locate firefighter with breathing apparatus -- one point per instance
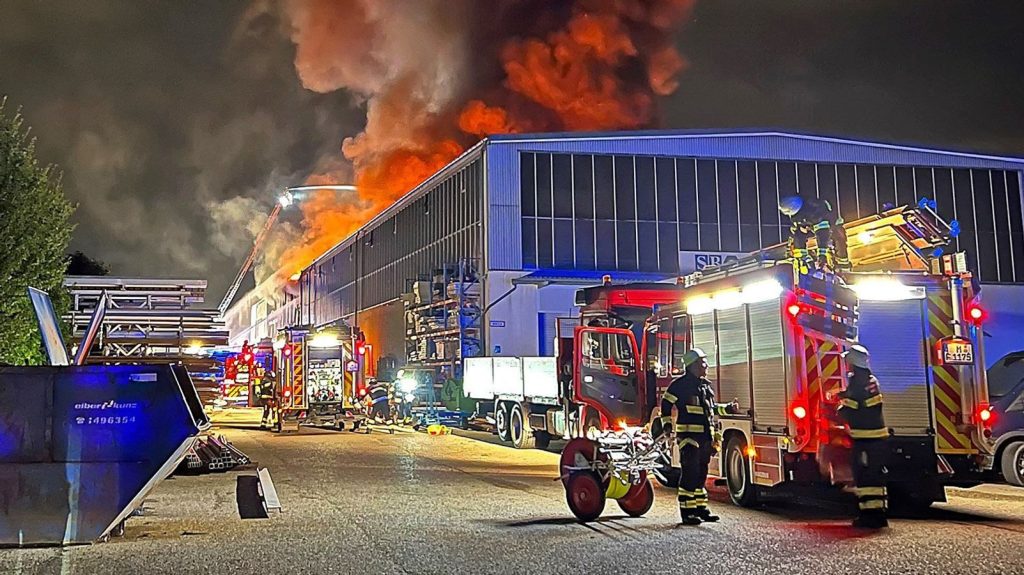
(860, 406)
(815, 216)
(698, 439)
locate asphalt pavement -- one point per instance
(413, 503)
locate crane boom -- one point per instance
(256, 245)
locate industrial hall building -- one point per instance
(517, 223)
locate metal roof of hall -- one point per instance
(753, 144)
(739, 144)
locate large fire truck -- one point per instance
(246, 374)
(774, 336)
(320, 378)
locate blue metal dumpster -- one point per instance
(81, 446)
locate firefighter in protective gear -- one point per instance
(814, 216)
(378, 395)
(265, 393)
(694, 399)
(861, 408)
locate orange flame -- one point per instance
(574, 65)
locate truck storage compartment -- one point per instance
(80, 447)
(894, 333)
(768, 364)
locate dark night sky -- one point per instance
(172, 125)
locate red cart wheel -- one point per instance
(639, 500)
(577, 453)
(585, 495)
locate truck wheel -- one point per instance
(501, 421)
(1012, 464)
(639, 500)
(585, 495)
(738, 476)
(519, 428)
(542, 439)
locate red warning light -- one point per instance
(793, 309)
(985, 415)
(799, 412)
(286, 351)
(976, 314)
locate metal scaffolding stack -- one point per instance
(155, 320)
(442, 318)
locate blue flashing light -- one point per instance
(938, 253)
(954, 228)
(922, 203)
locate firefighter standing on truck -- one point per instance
(861, 408)
(814, 216)
(694, 400)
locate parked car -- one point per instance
(1006, 394)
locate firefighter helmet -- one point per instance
(858, 356)
(791, 205)
(690, 357)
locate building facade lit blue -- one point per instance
(541, 214)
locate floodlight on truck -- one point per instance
(727, 299)
(765, 290)
(732, 298)
(699, 305)
(886, 289)
(324, 340)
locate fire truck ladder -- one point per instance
(256, 245)
(902, 238)
(286, 199)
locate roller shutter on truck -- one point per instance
(733, 357)
(768, 367)
(894, 333)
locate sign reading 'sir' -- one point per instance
(705, 260)
(690, 262)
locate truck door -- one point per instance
(607, 373)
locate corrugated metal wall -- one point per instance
(666, 194)
(438, 223)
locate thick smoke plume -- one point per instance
(436, 75)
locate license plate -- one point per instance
(957, 352)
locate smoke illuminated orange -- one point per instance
(578, 65)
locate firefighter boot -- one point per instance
(871, 521)
(688, 518)
(706, 516)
